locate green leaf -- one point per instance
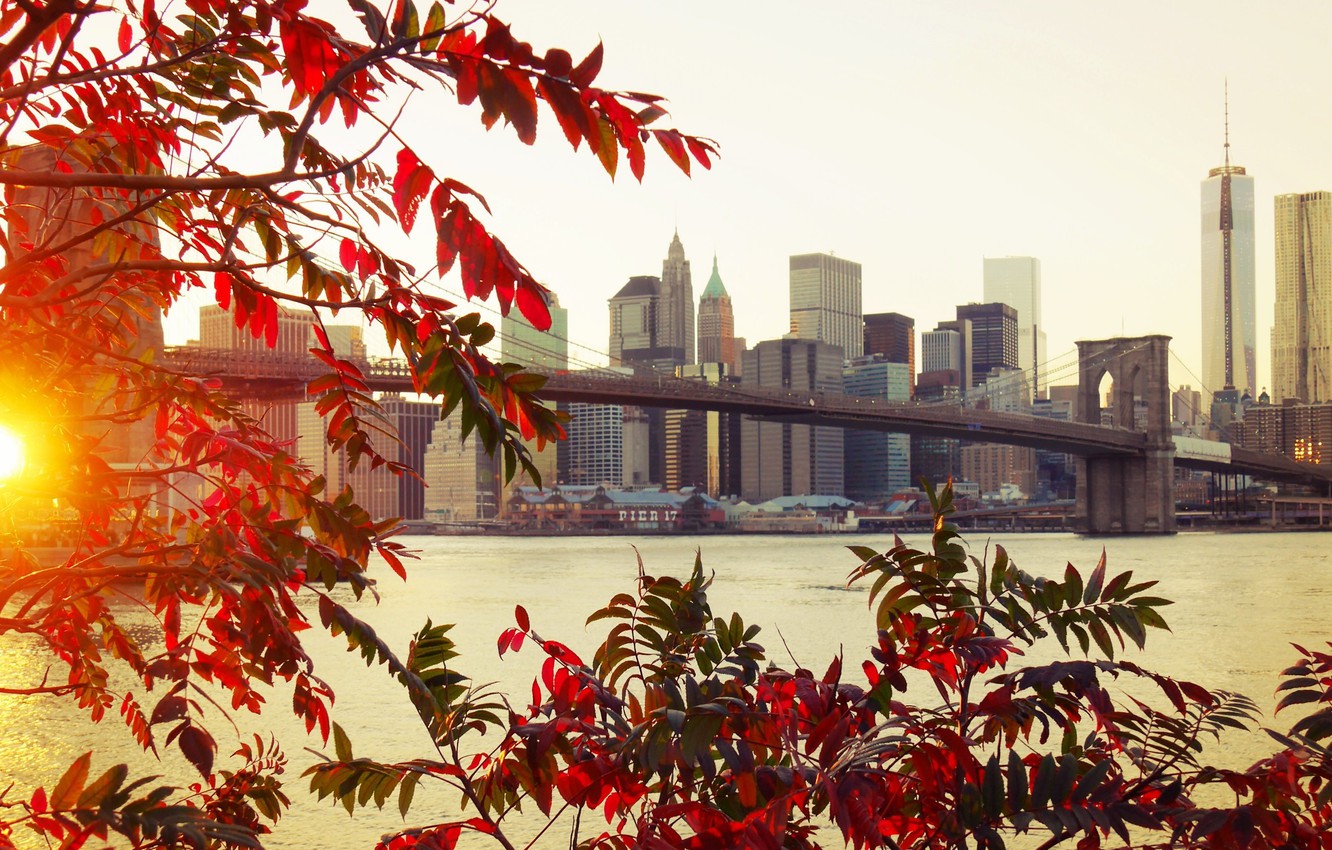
(1072, 585)
(341, 744)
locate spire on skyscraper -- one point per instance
(715, 288)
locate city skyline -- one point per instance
(918, 142)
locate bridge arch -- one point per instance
(1118, 494)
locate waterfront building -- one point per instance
(825, 302)
(1016, 281)
(784, 458)
(599, 508)
(893, 336)
(1302, 330)
(716, 324)
(877, 463)
(993, 341)
(1229, 293)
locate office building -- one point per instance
(523, 344)
(1302, 327)
(1229, 300)
(703, 446)
(877, 463)
(716, 324)
(414, 422)
(783, 458)
(993, 341)
(676, 312)
(218, 331)
(1016, 281)
(936, 459)
(894, 336)
(595, 446)
(947, 348)
(825, 302)
(463, 480)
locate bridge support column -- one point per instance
(1127, 495)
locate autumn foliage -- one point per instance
(679, 733)
(147, 150)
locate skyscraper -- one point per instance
(894, 336)
(1302, 331)
(877, 463)
(522, 343)
(994, 338)
(825, 302)
(1016, 281)
(676, 311)
(783, 458)
(1229, 317)
(716, 324)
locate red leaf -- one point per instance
(125, 36)
(222, 289)
(198, 746)
(347, 254)
(700, 149)
(270, 322)
(410, 185)
(674, 147)
(588, 69)
(520, 615)
(533, 305)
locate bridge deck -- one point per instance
(268, 376)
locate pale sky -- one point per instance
(916, 139)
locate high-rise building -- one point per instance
(595, 445)
(947, 348)
(936, 459)
(703, 446)
(994, 338)
(1302, 330)
(894, 336)
(217, 330)
(1016, 281)
(1229, 317)
(825, 302)
(523, 344)
(676, 313)
(783, 458)
(462, 478)
(633, 323)
(716, 324)
(877, 463)
(414, 422)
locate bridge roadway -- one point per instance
(263, 375)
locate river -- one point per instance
(1241, 600)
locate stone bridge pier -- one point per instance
(1127, 494)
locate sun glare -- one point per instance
(11, 454)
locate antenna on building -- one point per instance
(1226, 90)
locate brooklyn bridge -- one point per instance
(1125, 478)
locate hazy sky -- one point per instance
(916, 139)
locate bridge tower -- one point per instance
(1127, 495)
